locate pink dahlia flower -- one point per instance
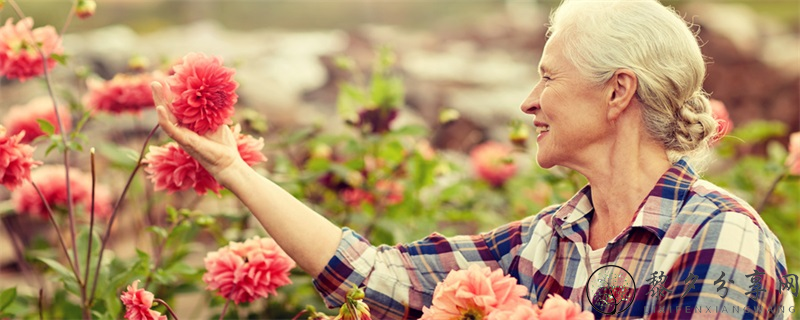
(522, 311)
(123, 93)
(793, 161)
(557, 308)
(724, 122)
(138, 303)
(473, 294)
(24, 118)
(249, 147)
(16, 160)
(170, 168)
(18, 56)
(204, 92)
(245, 271)
(52, 183)
(492, 162)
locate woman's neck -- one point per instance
(621, 176)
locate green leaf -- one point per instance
(61, 58)
(46, 127)
(120, 157)
(7, 297)
(349, 101)
(158, 231)
(58, 267)
(52, 146)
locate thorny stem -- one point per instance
(116, 210)
(172, 313)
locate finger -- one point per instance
(180, 135)
(158, 93)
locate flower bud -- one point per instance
(448, 115)
(138, 63)
(519, 134)
(85, 8)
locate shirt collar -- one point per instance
(655, 213)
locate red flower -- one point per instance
(724, 122)
(18, 56)
(492, 161)
(354, 197)
(245, 271)
(793, 160)
(16, 160)
(170, 167)
(204, 92)
(23, 118)
(52, 183)
(123, 93)
(138, 303)
(249, 147)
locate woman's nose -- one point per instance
(531, 103)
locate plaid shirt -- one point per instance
(685, 228)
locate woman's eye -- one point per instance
(546, 78)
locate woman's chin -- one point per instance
(544, 161)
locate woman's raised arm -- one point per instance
(309, 238)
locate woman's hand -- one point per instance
(216, 151)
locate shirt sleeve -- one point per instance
(731, 270)
(399, 280)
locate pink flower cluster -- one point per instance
(19, 58)
(479, 293)
(138, 303)
(52, 182)
(123, 93)
(24, 118)
(388, 192)
(245, 271)
(171, 168)
(793, 160)
(492, 162)
(16, 160)
(204, 92)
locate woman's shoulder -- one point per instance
(708, 202)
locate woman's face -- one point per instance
(569, 112)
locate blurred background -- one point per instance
(477, 57)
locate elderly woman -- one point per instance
(620, 100)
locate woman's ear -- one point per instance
(623, 85)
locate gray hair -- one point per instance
(654, 42)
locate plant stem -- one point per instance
(91, 229)
(55, 226)
(172, 313)
(41, 299)
(116, 211)
(69, 18)
(770, 191)
(224, 309)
